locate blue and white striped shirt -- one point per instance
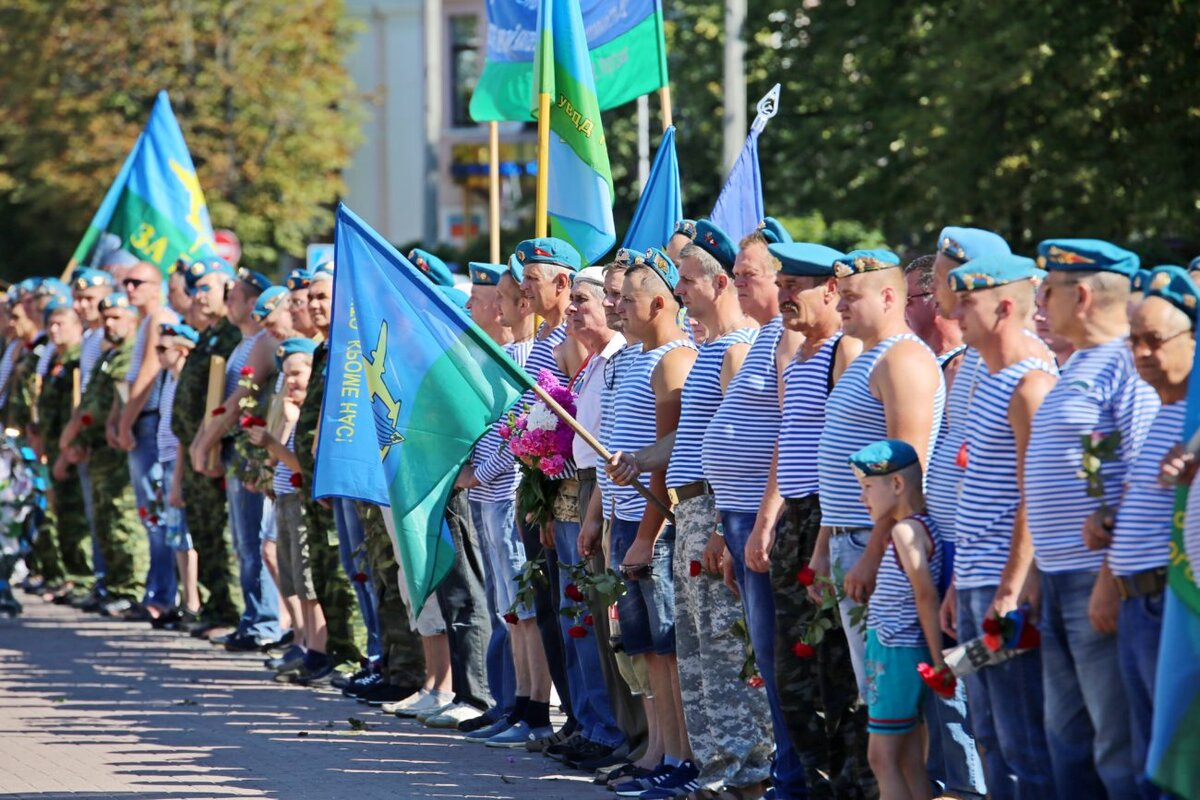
(6, 368)
(281, 483)
(89, 355)
(854, 418)
(616, 371)
(1142, 537)
(494, 463)
(892, 612)
(944, 476)
(168, 442)
(634, 423)
(702, 395)
(740, 440)
(805, 390)
(45, 357)
(237, 360)
(1098, 391)
(154, 400)
(987, 505)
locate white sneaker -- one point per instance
(450, 717)
(408, 702)
(426, 706)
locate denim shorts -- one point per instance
(503, 554)
(895, 690)
(647, 610)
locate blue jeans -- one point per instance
(177, 534)
(160, 580)
(353, 554)
(1006, 712)
(953, 763)
(501, 674)
(844, 551)
(758, 603)
(1087, 716)
(589, 695)
(647, 609)
(89, 509)
(260, 618)
(1138, 634)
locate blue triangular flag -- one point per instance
(739, 207)
(661, 203)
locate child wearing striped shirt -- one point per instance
(902, 618)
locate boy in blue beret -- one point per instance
(903, 631)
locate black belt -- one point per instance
(845, 530)
(688, 491)
(586, 474)
(153, 411)
(1150, 583)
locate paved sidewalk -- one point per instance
(91, 708)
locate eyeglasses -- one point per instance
(161, 348)
(1152, 342)
(132, 283)
(917, 296)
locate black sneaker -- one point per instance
(314, 677)
(599, 757)
(186, 621)
(480, 722)
(164, 619)
(280, 645)
(560, 750)
(357, 687)
(243, 643)
(342, 680)
(382, 693)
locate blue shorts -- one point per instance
(647, 610)
(895, 690)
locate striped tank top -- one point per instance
(237, 360)
(494, 463)
(944, 476)
(634, 421)
(89, 355)
(854, 418)
(892, 612)
(702, 395)
(989, 498)
(740, 439)
(45, 357)
(615, 371)
(1098, 392)
(154, 400)
(281, 483)
(11, 354)
(805, 389)
(168, 442)
(1142, 537)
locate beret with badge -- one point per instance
(1174, 285)
(625, 257)
(187, 335)
(295, 345)
(268, 301)
(805, 259)
(990, 271)
(116, 301)
(883, 458)
(431, 267)
(717, 243)
(1087, 255)
(204, 267)
(857, 262)
(484, 274)
(774, 232)
(685, 228)
(1194, 264)
(256, 279)
(662, 266)
(298, 280)
(57, 302)
(548, 250)
(323, 272)
(966, 244)
(51, 287)
(88, 278)
(1139, 281)
(515, 268)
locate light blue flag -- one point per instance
(739, 207)
(661, 203)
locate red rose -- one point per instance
(942, 681)
(694, 568)
(511, 618)
(802, 650)
(296, 480)
(587, 620)
(993, 641)
(218, 411)
(577, 632)
(360, 577)
(247, 372)
(85, 420)
(153, 519)
(993, 626)
(756, 682)
(142, 512)
(572, 593)
(252, 421)
(805, 576)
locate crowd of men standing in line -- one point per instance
(829, 430)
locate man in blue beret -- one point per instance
(484, 303)
(431, 267)
(298, 283)
(1099, 398)
(684, 232)
(774, 232)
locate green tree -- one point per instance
(259, 88)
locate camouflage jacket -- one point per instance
(96, 402)
(310, 414)
(54, 405)
(22, 398)
(191, 391)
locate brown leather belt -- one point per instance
(1150, 583)
(688, 491)
(586, 474)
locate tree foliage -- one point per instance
(259, 88)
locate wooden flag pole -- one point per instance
(494, 191)
(593, 443)
(542, 219)
(664, 96)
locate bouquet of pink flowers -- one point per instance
(541, 441)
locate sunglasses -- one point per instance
(132, 283)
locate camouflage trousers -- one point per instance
(119, 530)
(44, 557)
(403, 658)
(347, 634)
(728, 723)
(74, 534)
(826, 721)
(207, 517)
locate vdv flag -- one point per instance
(661, 203)
(625, 43)
(411, 385)
(155, 205)
(580, 182)
(1175, 738)
(739, 207)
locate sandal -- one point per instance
(626, 772)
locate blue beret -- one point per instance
(51, 286)
(883, 458)
(515, 268)
(207, 266)
(484, 274)
(966, 244)
(805, 258)
(1174, 285)
(88, 278)
(857, 262)
(28, 286)
(431, 266)
(662, 265)
(298, 279)
(1087, 255)
(548, 250)
(988, 272)
(1194, 264)
(117, 301)
(685, 227)
(255, 279)
(716, 242)
(624, 257)
(774, 232)
(1139, 281)
(459, 298)
(323, 272)
(57, 302)
(267, 302)
(180, 331)
(290, 347)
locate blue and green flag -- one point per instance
(155, 206)
(411, 385)
(661, 203)
(624, 40)
(580, 182)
